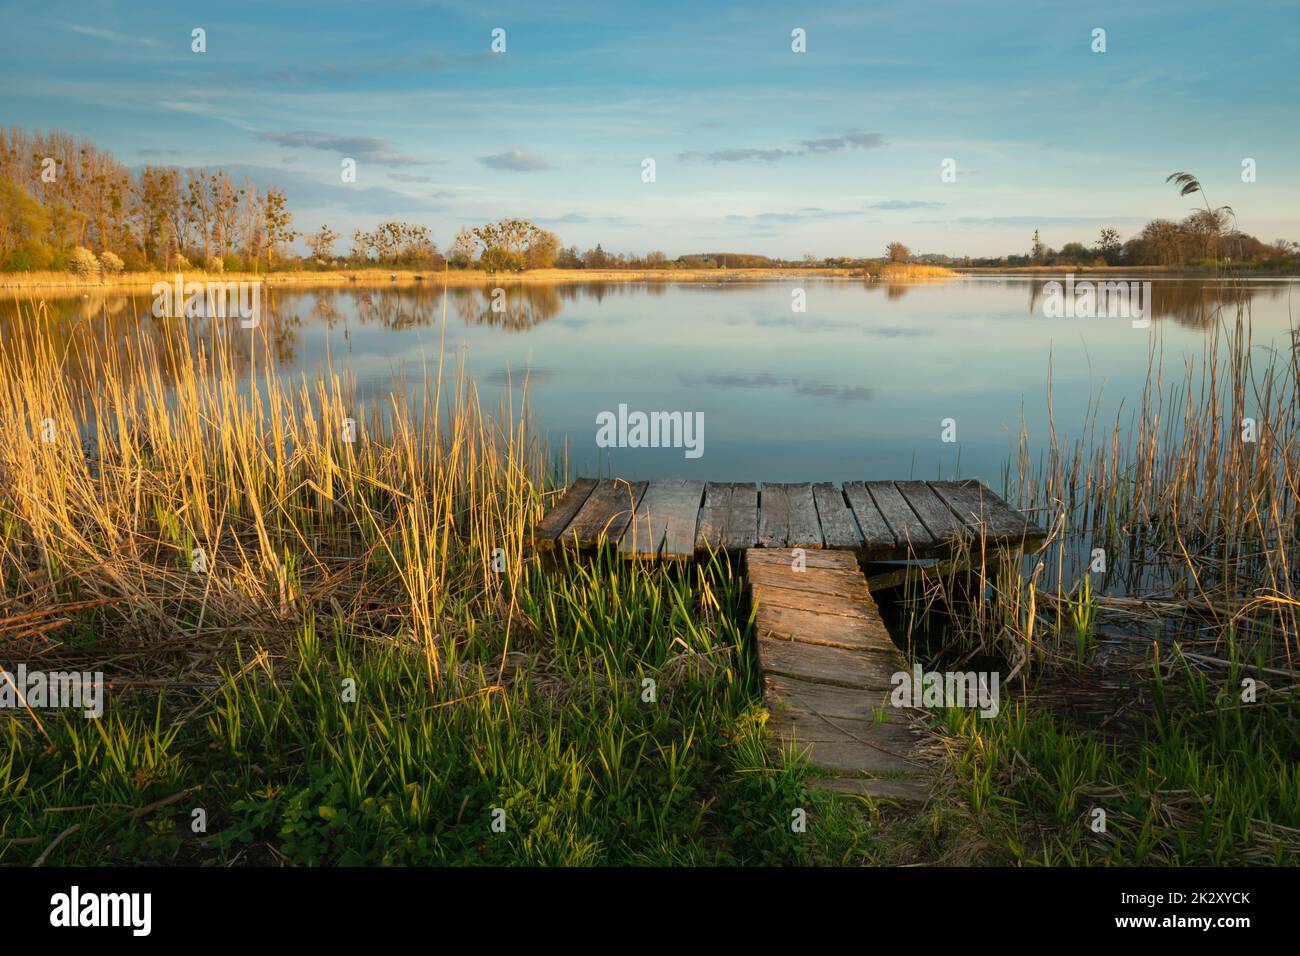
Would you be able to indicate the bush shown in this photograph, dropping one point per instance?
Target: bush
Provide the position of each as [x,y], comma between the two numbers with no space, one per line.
[233,264]
[110,263]
[182,262]
[214,264]
[135,260]
[83,263]
[31,256]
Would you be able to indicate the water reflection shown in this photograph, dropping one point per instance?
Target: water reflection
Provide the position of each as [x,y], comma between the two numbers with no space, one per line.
[852,387]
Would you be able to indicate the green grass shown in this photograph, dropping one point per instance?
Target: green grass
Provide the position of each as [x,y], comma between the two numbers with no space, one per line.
[587,770]
[1204,780]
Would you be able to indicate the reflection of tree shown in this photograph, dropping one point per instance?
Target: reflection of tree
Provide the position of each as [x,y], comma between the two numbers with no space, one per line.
[517,308]
[1194,303]
[116,326]
[893,290]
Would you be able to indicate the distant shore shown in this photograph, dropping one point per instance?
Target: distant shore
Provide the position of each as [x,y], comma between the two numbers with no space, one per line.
[59,282]
[1124,269]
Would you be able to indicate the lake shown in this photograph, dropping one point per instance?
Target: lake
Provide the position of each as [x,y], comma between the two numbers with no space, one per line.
[866,382]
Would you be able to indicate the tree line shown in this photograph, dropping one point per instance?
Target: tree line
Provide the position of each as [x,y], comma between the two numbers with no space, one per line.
[62,199]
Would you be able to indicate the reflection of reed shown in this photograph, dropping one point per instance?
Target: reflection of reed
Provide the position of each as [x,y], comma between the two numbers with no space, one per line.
[1196,304]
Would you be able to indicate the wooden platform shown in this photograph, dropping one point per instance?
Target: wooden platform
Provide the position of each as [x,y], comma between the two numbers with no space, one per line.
[827,662]
[879,520]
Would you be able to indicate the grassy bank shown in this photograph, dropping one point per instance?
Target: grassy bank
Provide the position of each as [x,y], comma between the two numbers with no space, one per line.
[340,650]
[22,283]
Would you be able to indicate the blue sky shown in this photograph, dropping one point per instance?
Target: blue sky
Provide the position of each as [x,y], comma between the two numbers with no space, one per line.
[833,151]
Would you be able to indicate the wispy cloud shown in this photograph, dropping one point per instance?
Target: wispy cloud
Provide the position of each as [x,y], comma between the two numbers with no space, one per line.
[830,144]
[516,161]
[807,212]
[361,148]
[905,204]
[112,36]
[834,144]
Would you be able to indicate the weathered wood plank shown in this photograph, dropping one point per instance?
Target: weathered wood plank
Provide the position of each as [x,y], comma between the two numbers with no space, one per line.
[818,580]
[837,523]
[812,627]
[606,512]
[866,670]
[805,531]
[561,513]
[877,536]
[773,516]
[984,512]
[849,746]
[665,520]
[899,789]
[934,513]
[828,663]
[853,703]
[742,516]
[907,527]
[784,557]
[713,516]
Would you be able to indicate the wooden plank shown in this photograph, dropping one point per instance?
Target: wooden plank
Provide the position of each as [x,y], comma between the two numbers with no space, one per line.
[813,627]
[713,516]
[833,512]
[805,531]
[877,536]
[984,512]
[784,557]
[818,580]
[828,663]
[561,513]
[665,520]
[742,517]
[823,664]
[897,789]
[908,529]
[607,511]
[849,746]
[853,703]
[841,605]
[773,516]
[933,511]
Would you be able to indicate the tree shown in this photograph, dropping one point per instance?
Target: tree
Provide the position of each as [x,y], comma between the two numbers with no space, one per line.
[897,252]
[1108,245]
[463,248]
[322,242]
[278,222]
[1036,251]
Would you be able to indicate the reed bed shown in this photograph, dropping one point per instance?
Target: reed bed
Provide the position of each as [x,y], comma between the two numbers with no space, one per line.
[1149,648]
[339,649]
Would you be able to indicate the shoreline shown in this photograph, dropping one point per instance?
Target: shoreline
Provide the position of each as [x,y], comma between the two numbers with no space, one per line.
[45,282]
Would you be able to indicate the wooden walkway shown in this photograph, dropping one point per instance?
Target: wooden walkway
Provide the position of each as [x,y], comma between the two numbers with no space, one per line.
[827,663]
[880,520]
[825,654]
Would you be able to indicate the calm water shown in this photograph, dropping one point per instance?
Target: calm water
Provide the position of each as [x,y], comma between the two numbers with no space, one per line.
[858,386]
